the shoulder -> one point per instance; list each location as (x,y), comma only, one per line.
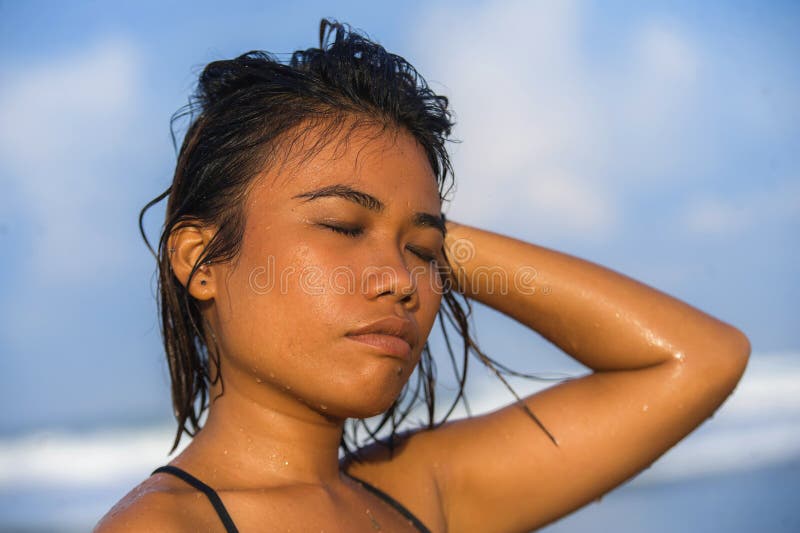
(158,504)
(408,473)
(408,454)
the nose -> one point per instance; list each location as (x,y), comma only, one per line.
(391,278)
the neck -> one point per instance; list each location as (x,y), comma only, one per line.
(257,436)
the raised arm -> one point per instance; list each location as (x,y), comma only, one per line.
(661,367)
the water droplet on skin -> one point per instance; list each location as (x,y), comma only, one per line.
(258,380)
(645,407)
(224,452)
(286,463)
(272,374)
(323,407)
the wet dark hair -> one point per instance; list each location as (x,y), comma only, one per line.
(244,117)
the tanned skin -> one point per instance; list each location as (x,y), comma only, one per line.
(660,367)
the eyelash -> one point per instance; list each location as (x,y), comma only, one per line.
(355,232)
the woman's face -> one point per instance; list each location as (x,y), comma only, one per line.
(337,243)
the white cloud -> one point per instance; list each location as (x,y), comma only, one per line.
(548,138)
(718,216)
(63,123)
(574,205)
(666,54)
(521,112)
(714,216)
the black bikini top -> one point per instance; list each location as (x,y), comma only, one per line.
(227,521)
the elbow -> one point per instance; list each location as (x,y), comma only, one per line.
(721,358)
(739,347)
(734,352)
(745,344)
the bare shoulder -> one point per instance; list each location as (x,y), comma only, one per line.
(408,459)
(408,474)
(156,504)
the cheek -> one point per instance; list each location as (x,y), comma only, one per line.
(430,295)
(287,308)
(285,300)
(248,302)
(283,318)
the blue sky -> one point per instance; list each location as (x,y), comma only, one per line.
(659,139)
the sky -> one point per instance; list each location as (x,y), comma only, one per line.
(659,139)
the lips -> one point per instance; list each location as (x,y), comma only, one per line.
(391,335)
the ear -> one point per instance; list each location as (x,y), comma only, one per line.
(185,246)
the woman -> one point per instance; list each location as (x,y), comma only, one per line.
(303,262)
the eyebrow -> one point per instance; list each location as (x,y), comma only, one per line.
(366,200)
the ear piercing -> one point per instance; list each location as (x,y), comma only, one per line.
(202,281)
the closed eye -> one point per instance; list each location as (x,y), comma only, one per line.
(350,232)
(355,232)
(422,254)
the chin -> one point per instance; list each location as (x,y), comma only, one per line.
(371,399)
(360,408)
(381,407)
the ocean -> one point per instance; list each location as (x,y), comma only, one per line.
(738,472)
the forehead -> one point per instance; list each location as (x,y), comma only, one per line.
(387,163)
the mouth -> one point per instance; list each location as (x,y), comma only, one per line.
(391,335)
(386,344)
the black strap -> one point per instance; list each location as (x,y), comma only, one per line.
(394,503)
(209,492)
